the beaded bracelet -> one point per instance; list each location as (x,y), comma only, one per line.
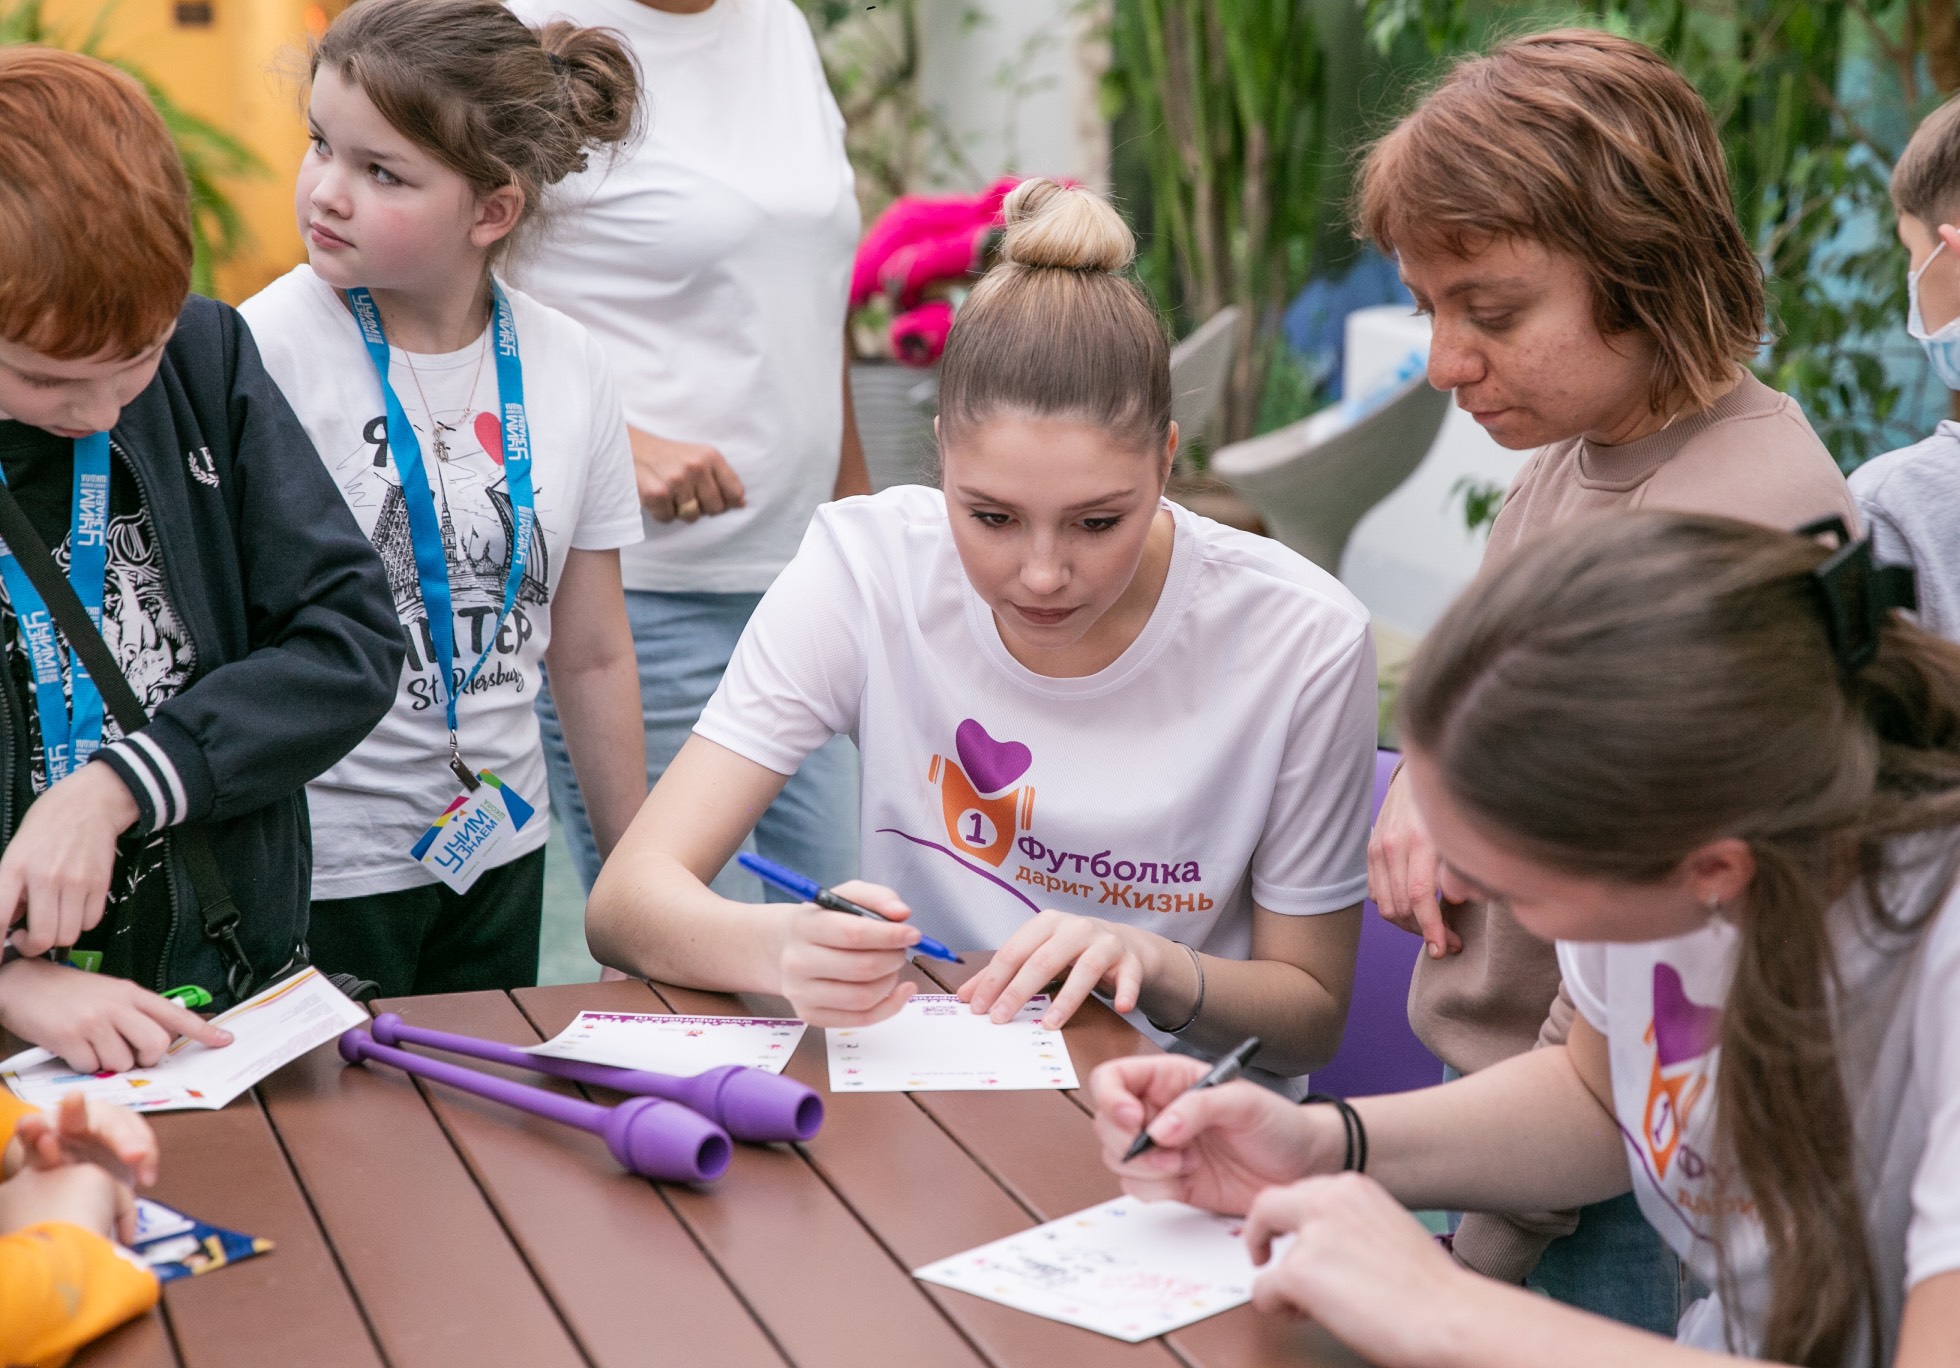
(1355,1158)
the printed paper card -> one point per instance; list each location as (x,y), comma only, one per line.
(173,1245)
(1128,1269)
(678,1045)
(269,1030)
(937,1043)
(457,847)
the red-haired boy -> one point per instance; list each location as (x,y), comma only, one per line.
(145,443)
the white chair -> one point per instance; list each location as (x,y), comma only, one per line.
(1312,480)
(1201,367)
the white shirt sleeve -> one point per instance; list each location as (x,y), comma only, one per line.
(797,676)
(1313,855)
(1583,964)
(609,516)
(1933,1238)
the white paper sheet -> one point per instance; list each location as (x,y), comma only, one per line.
(678,1045)
(272,1029)
(1128,1269)
(937,1043)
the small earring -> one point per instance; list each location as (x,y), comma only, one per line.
(1713,905)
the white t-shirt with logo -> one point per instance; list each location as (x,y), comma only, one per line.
(1659,1005)
(369,809)
(1225,759)
(712,260)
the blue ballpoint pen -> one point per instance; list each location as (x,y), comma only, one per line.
(805,888)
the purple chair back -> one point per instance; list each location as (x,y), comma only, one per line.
(1379,1053)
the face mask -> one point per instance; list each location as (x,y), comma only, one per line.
(1942,347)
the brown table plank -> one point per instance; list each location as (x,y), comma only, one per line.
(141,1343)
(291,1306)
(616,1262)
(925,1199)
(437,1275)
(806,1265)
(1043,1150)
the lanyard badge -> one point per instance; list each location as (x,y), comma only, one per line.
(493,810)
(71,727)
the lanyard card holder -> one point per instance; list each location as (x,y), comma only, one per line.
(214,899)
(461,843)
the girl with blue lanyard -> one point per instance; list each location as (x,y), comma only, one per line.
(476,436)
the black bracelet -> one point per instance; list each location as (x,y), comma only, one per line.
(1355,1157)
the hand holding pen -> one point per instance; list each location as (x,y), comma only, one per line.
(842,970)
(802,886)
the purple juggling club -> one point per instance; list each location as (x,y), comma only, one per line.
(649,1137)
(751,1104)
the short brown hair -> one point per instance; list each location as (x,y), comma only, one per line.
(95,217)
(496,101)
(1591,145)
(1056,329)
(1926,179)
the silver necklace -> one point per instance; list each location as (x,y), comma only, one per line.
(438,428)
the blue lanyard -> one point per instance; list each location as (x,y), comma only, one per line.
(425,524)
(70,732)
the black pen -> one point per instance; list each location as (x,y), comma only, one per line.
(1224,1071)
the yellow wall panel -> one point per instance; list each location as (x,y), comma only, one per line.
(240,71)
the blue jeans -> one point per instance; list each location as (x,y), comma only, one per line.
(1614,1265)
(684,642)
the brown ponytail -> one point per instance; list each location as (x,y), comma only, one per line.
(1628,689)
(494,100)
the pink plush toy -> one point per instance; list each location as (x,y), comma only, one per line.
(919,335)
(920,240)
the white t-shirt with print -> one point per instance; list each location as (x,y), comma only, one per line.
(369,809)
(1659,1005)
(712,261)
(1225,759)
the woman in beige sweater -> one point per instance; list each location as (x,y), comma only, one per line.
(1560,208)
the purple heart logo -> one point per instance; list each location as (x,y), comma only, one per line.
(992,765)
(1683,1029)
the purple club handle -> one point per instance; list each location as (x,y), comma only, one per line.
(649,1137)
(751,1104)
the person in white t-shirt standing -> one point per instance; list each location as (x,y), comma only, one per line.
(712,259)
(1710,761)
(477,438)
(1106,738)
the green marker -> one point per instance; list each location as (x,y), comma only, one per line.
(190,995)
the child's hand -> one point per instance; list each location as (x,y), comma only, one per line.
(55,873)
(96,1023)
(74,1194)
(82,1131)
(840,969)
(1093,954)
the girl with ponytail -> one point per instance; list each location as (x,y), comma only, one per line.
(1708,761)
(1117,744)
(477,438)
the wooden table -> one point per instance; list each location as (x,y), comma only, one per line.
(418,1227)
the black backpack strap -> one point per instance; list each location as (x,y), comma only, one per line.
(65,607)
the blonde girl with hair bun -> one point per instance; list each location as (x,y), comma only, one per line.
(1119,745)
